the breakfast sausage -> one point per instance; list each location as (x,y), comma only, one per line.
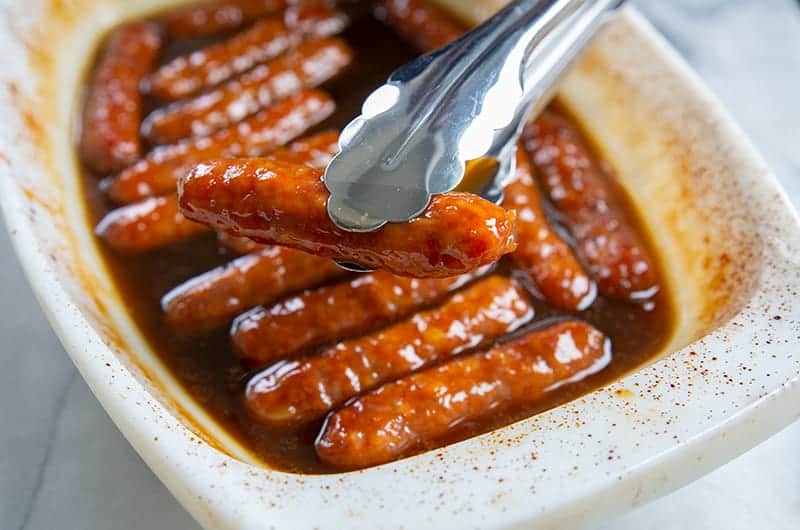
(159,171)
(219,16)
(214,298)
(583,193)
(113,110)
(541,254)
(309,65)
(295,392)
(319,316)
(156,222)
(189,74)
(420,410)
(426,26)
(285,204)
(147,225)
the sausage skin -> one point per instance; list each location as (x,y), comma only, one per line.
(418,411)
(238,245)
(218,16)
(424,25)
(320,316)
(295,392)
(157,222)
(582,192)
(541,254)
(189,74)
(159,171)
(273,202)
(214,298)
(309,65)
(113,110)
(153,223)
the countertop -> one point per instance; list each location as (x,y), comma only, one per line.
(63,464)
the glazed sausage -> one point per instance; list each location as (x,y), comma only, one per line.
(159,171)
(338,312)
(583,193)
(147,225)
(239,245)
(415,412)
(217,17)
(541,254)
(292,393)
(187,75)
(156,222)
(309,65)
(113,110)
(214,298)
(285,204)
(426,26)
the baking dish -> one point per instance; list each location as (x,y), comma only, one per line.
(727,236)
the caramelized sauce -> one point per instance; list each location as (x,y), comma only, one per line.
(210,371)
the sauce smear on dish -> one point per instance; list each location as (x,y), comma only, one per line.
(315,369)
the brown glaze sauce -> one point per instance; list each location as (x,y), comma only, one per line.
(212,373)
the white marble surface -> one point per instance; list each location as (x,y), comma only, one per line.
(64,465)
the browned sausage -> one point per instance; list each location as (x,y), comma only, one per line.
(218,16)
(285,204)
(113,110)
(420,410)
(583,192)
(291,393)
(319,316)
(309,65)
(426,26)
(147,225)
(157,222)
(266,39)
(214,298)
(541,254)
(159,171)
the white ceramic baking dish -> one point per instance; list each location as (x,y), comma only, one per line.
(726,234)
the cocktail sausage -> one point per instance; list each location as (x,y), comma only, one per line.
(158,172)
(295,392)
(265,40)
(418,411)
(113,111)
(285,204)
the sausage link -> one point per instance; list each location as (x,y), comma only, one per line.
(582,192)
(541,254)
(214,298)
(320,316)
(156,222)
(217,17)
(189,74)
(147,225)
(159,171)
(285,204)
(292,393)
(309,65)
(426,26)
(419,411)
(113,110)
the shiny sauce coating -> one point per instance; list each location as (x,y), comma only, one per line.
(206,364)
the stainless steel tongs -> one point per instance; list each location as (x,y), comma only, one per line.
(462,106)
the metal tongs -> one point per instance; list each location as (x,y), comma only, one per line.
(452,118)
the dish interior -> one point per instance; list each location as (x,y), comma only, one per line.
(205,363)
